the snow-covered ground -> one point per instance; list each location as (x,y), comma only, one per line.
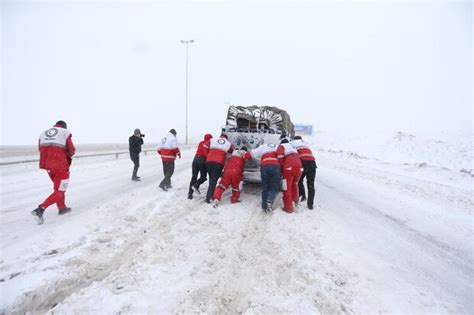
(392,231)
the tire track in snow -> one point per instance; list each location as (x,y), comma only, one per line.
(240,279)
(263,263)
(94,265)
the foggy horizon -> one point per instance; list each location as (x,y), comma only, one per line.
(107,68)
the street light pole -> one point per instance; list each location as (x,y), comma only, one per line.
(187,42)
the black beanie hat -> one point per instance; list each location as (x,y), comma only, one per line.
(61,123)
(173,132)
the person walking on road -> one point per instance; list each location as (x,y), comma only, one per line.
(135,143)
(199,166)
(168,149)
(309,170)
(56,152)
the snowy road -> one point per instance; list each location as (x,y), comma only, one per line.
(410,240)
(383,238)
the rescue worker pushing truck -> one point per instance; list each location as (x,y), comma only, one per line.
(232,176)
(291,170)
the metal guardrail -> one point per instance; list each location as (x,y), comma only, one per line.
(117,154)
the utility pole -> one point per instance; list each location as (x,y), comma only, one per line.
(187,42)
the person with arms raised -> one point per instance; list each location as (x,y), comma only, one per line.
(291,170)
(309,170)
(270,173)
(135,143)
(232,176)
(215,161)
(199,166)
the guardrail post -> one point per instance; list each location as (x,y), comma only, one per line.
(116,155)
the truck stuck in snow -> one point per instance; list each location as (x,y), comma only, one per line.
(251,126)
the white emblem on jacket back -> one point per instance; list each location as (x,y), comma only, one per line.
(220,144)
(54,137)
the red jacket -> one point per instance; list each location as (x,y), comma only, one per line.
(203,147)
(56,149)
(265,152)
(168,148)
(288,156)
(304,151)
(169,155)
(218,150)
(235,164)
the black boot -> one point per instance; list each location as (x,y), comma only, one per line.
(196,189)
(64,210)
(38,213)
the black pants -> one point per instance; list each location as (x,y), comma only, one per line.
(214,170)
(199,167)
(135,157)
(309,171)
(168,170)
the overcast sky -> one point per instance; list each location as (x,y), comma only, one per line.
(109,67)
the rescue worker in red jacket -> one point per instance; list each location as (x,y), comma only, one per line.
(56,152)
(309,170)
(270,172)
(232,176)
(291,170)
(168,149)
(215,161)
(199,165)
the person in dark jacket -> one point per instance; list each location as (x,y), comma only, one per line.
(199,165)
(135,147)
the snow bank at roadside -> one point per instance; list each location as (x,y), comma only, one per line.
(449,151)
